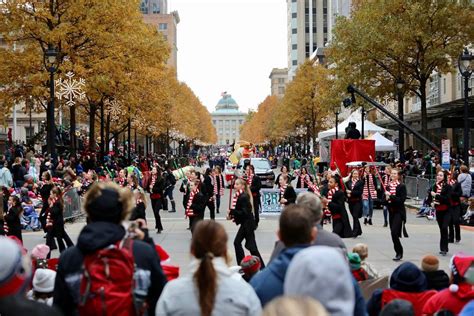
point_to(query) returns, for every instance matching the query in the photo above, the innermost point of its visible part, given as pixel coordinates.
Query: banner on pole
(269, 200)
(445, 154)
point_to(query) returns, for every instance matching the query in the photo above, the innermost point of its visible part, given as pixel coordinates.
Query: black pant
(454, 228)
(212, 208)
(156, 206)
(218, 202)
(356, 211)
(256, 207)
(443, 218)
(60, 239)
(396, 226)
(193, 220)
(246, 231)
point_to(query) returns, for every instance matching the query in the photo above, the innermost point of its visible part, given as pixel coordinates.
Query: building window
(294, 31)
(444, 85)
(29, 132)
(214, 122)
(281, 90)
(240, 122)
(163, 26)
(294, 47)
(294, 63)
(281, 80)
(294, 15)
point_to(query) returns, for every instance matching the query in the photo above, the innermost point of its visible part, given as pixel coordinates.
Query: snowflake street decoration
(70, 89)
(114, 108)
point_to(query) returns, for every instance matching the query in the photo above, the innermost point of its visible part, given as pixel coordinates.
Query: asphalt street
(175, 238)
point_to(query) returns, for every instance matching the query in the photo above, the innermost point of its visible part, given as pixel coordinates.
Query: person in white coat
(211, 288)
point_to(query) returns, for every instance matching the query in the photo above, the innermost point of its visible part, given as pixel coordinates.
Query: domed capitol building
(227, 120)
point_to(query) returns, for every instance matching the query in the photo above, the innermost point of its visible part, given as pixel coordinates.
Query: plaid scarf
(369, 188)
(235, 198)
(189, 212)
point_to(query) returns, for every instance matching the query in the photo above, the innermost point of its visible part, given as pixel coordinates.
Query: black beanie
(408, 278)
(398, 307)
(106, 207)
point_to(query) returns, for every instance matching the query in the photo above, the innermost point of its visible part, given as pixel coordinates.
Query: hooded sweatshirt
(323, 274)
(95, 236)
(452, 299)
(268, 283)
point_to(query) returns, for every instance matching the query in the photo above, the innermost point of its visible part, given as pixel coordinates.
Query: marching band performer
(196, 203)
(283, 171)
(439, 197)
(219, 186)
(454, 233)
(303, 179)
(395, 196)
(255, 185)
(354, 189)
(386, 181)
(336, 205)
(369, 194)
(287, 193)
(241, 212)
(157, 185)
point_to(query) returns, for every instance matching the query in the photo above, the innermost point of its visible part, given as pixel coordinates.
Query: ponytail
(206, 282)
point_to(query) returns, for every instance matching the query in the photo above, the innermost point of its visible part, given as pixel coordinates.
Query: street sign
(445, 154)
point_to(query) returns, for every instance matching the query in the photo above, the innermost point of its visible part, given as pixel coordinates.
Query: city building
(308, 33)
(278, 80)
(155, 12)
(227, 120)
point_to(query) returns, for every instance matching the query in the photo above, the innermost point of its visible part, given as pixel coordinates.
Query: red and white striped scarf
(189, 212)
(121, 182)
(393, 187)
(369, 187)
(313, 187)
(439, 187)
(452, 181)
(153, 180)
(6, 229)
(353, 184)
(282, 190)
(249, 178)
(49, 219)
(386, 181)
(218, 179)
(235, 198)
(331, 193)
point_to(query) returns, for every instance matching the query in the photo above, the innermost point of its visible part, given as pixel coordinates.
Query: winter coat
(289, 195)
(139, 211)
(341, 225)
(268, 283)
(6, 179)
(18, 305)
(12, 218)
(465, 180)
(452, 301)
(96, 236)
(437, 280)
(234, 296)
(243, 210)
(199, 205)
(57, 217)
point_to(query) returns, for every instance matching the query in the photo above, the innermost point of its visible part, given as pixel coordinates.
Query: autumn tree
(386, 41)
(257, 126)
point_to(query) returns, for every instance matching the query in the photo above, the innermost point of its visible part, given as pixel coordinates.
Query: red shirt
(451, 301)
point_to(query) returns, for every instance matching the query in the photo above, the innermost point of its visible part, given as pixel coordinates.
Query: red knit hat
(250, 265)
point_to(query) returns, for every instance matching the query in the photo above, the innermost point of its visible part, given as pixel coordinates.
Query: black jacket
(57, 217)
(93, 237)
(255, 187)
(16, 305)
(139, 211)
(456, 194)
(289, 195)
(437, 280)
(443, 199)
(199, 204)
(12, 218)
(158, 187)
(243, 209)
(356, 191)
(207, 188)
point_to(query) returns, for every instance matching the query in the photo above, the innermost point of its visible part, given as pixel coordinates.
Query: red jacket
(448, 300)
(416, 299)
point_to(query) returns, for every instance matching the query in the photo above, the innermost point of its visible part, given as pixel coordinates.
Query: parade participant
(296, 231)
(45, 190)
(369, 194)
(255, 185)
(219, 186)
(12, 218)
(132, 182)
(211, 288)
(90, 177)
(385, 183)
(185, 189)
(122, 178)
(241, 212)
(133, 264)
(454, 228)
(170, 182)
(439, 197)
(139, 211)
(287, 194)
(303, 179)
(55, 222)
(207, 189)
(196, 203)
(395, 196)
(336, 205)
(156, 196)
(283, 171)
(354, 189)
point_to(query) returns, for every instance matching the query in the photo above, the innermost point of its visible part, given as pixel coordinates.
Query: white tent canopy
(382, 143)
(369, 127)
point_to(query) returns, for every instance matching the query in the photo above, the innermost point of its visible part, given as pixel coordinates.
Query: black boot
(173, 206)
(397, 257)
(365, 221)
(385, 224)
(370, 221)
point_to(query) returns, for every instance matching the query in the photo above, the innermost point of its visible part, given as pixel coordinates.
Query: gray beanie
(322, 273)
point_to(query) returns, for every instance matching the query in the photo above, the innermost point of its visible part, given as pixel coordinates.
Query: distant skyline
(230, 45)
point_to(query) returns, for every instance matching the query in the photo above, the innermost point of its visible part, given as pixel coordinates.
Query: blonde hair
(246, 190)
(126, 197)
(294, 306)
(362, 250)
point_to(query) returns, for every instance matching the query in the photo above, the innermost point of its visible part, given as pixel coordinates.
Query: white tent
(369, 127)
(382, 143)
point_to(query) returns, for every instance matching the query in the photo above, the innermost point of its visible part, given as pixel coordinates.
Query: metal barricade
(72, 204)
(417, 187)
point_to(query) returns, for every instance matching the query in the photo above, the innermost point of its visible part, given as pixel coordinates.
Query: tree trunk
(424, 112)
(92, 140)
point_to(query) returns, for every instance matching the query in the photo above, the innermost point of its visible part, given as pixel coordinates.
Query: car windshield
(261, 164)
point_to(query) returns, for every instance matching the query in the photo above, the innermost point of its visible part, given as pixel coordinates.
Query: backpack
(107, 285)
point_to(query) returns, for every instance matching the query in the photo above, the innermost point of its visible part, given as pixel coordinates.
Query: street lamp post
(337, 111)
(401, 133)
(50, 57)
(466, 69)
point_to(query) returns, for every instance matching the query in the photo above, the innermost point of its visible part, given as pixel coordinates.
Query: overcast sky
(230, 45)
